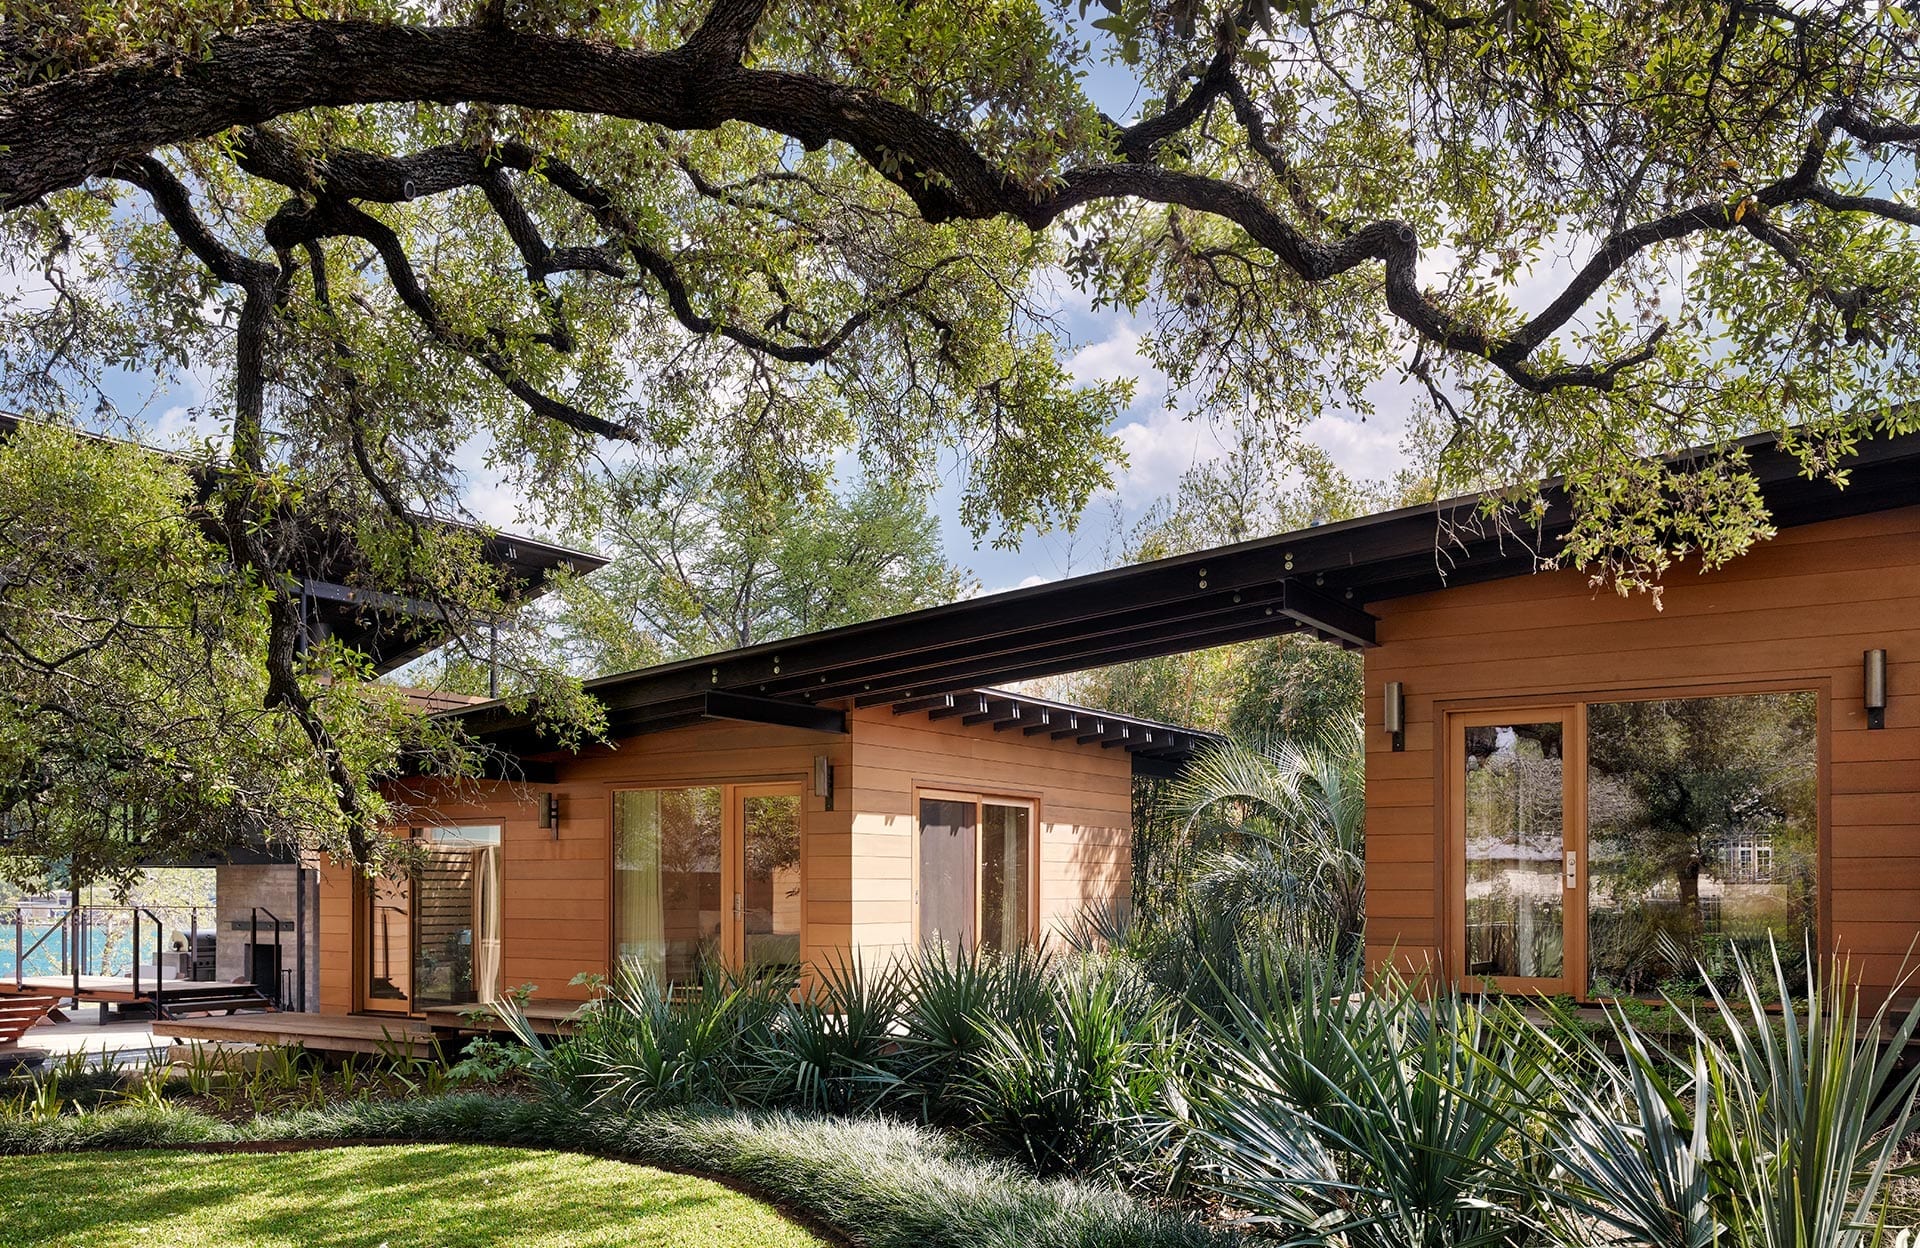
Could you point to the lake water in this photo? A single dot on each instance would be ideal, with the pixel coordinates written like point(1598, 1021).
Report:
point(108, 953)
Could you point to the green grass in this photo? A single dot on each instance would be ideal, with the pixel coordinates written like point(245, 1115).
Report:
point(417, 1196)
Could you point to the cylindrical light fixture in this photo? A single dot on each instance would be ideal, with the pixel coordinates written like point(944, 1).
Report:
point(1875, 688)
point(1393, 713)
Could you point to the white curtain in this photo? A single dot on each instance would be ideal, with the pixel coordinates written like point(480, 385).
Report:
point(640, 926)
point(486, 917)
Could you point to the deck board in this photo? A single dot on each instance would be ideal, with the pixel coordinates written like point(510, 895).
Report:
point(322, 1033)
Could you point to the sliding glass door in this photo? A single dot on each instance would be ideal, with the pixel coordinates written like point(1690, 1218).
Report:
point(974, 876)
point(1629, 847)
point(707, 873)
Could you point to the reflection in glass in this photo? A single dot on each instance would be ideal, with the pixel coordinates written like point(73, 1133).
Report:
point(1515, 838)
point(389, 945)
point(1005, 838)
point(1701, 837)
point(667, 910)
point(456, 914)
point(947, 838)
point(770, 897)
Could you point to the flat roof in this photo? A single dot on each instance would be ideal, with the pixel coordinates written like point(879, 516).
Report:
point(1317, 581)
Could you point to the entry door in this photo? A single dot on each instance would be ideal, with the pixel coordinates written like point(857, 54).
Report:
point(765, 877)
point(431, 936)
point(1517, 893)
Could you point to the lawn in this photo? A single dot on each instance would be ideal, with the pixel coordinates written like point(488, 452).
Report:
point(422, 1196)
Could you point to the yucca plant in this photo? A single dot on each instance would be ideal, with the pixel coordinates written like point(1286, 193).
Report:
point(646, 1043)
point(1783, 1137)
point(1060, 1087)
point(953, 995)
point(1366, 1119)
point(834, 1047)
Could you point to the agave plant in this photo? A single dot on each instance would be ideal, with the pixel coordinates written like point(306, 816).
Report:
point(1783, 1137)
point(1295, 859)
point(1366, 1119)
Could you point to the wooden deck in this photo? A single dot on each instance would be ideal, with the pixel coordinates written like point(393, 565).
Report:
point(548, 1019)
point(321, 1033)
point(117, 989)
point(358, 1033)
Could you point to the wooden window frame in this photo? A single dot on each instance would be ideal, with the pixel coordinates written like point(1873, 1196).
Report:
point(980, 798)
point(1455, 714)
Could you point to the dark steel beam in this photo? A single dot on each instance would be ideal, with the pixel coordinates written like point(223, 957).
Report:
point(778, 712)
point(895, 673)
point(1327, 615)
point(1175, 636)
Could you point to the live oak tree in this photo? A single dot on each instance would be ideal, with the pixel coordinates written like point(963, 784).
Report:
point(706, 560)
point(135, 710)
point(403, 234)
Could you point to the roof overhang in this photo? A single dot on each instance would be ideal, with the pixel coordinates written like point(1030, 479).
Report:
point(1317, 581)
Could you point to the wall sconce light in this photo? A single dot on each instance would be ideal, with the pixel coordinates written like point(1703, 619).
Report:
point(550, 812)
point(1393, 713)
point(1875, 688)
point(823, 779)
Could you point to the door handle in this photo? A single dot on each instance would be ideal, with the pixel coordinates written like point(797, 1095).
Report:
point(1573, 869)
point(739, 910)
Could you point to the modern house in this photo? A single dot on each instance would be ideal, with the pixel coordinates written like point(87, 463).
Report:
point(760, 831)
point(1568, 790)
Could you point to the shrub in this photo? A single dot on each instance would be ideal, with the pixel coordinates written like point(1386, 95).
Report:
point(645, 1044)
point(830, 1049)
point(1058, 1086)
point(954, 998)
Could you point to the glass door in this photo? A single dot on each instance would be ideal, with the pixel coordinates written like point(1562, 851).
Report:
point(1516, 851)
point(430, 936)
point(767, 896)
point(667, 847)
point(709, 872)
point(386, 945)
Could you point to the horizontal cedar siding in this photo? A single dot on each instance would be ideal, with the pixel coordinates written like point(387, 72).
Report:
point(1802, 607)
point(1084, 794)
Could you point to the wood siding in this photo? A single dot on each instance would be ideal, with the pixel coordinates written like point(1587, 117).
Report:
point(1800, 610)
point(1084, 796)
point(857, 861)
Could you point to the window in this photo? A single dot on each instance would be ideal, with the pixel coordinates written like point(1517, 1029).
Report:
point(1624, 848)
point(1702, 836)
point(975, 881)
